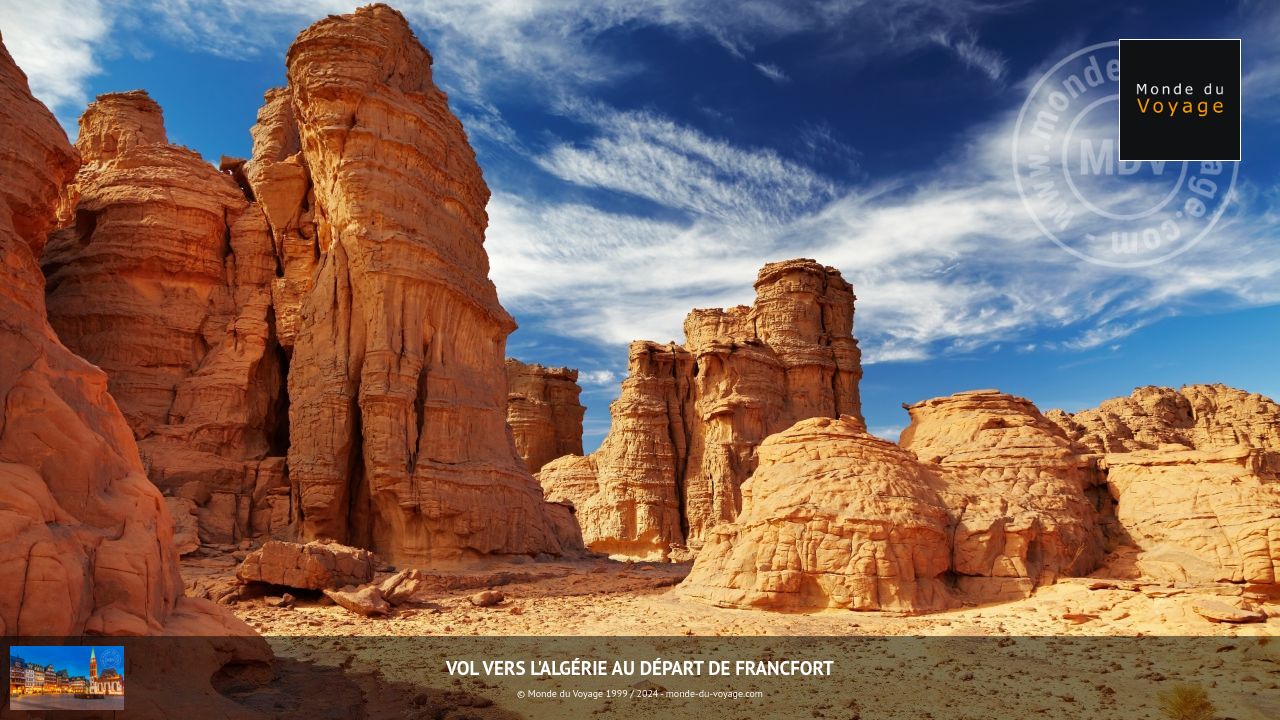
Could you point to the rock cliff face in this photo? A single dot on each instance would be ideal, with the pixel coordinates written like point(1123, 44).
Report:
point(690, 418)
point(397, 388)
point(544, 412)
point(86, 543)
point(161, 275)
point(1193, 474)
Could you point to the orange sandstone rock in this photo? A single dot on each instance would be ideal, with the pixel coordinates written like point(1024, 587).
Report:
point(544, 412)
point(832, 518)
point(1021, 493)
point(161, 275)
point(690, 417)
point(86, 542)
point(1193, 473)
point(397, 387)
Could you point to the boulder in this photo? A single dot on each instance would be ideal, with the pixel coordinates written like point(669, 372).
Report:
point(403, 586)
point(832, 518)
point(365, 601)
point(313, 566)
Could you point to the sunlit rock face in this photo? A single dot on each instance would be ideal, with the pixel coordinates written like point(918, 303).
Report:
point(1193, 477)
point(397, 383)
point(983, 501)
point(691, 417)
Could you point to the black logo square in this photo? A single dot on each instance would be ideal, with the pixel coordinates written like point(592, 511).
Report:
point(1179, 100)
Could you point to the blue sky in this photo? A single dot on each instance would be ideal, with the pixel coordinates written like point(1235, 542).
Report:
point(72, 658)
point(647, 157)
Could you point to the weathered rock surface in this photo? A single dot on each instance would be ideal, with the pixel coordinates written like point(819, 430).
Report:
point(833, 517)
point(161, 275)
point(1020, 492)
point(86, 543)
point(984, 501)
point(1193, 473)
point(401, 587)
point(397, 384)
point(544, 412)
point(690, 417)
point(313, 566)
point(365, 600)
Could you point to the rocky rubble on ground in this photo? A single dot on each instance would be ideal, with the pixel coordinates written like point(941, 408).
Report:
point(690, 417)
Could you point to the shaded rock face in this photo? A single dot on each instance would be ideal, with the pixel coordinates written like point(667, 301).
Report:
point(544, 412)
point(690, 417)
point(1193, 474)
point(161, 275)
point(984, 500)
point(397, 384)
point(86, 542)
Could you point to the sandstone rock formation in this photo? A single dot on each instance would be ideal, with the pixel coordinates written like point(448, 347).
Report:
point(86, 542)
point(161, 275)
point(396, 385)
point(833, 517)
point(313, 566)
point(543, 412)
point(687, 425)
point(984, 500)
point(1021, 494)
point(1193, 475)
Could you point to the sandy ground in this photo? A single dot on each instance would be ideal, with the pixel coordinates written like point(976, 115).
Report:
point(604, 597)
point(1083, 647)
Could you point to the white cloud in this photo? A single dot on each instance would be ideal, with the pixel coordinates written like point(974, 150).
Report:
point(987, 61)
point(54, 42)
point(773, 72)
point(947, 261)
point(598, 377)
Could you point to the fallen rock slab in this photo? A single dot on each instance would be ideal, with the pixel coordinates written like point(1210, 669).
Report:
point(401, 587)
point(313, 566)
point(365, 601)
point(487, 598)
point(1219, 612)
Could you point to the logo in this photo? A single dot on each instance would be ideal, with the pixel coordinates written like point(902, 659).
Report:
point(1082, 196)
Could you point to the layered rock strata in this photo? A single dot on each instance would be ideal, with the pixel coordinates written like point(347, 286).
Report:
point(984, 500)
point(86, 542)
point(397, 385)
point(1193, 475)
point(690, 417)
point(161, 275)
point(544, 412)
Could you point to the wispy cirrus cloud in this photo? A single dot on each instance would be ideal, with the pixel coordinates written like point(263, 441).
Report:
point(56, 44)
